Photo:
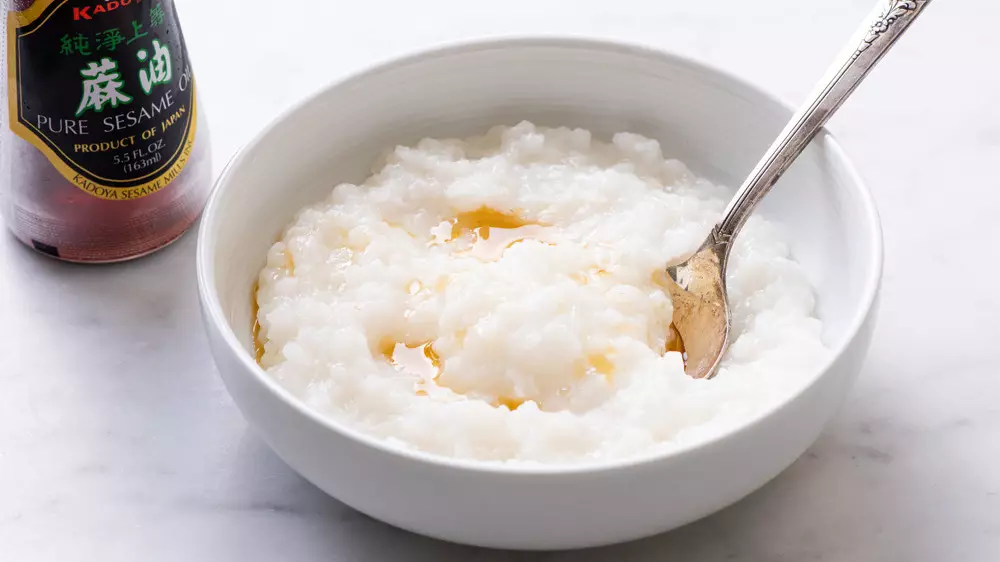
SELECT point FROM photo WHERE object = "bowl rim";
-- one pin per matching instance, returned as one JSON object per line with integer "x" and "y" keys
{"x": 214, "y": 314}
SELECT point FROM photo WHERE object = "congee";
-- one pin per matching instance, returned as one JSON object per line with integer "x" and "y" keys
{"x": 500, "y": 298}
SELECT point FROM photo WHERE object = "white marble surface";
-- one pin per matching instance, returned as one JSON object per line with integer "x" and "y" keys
{"x": 118, "y": 442}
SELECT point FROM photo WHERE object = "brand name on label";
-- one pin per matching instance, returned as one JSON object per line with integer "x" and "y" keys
{"x": 88, "y": 12}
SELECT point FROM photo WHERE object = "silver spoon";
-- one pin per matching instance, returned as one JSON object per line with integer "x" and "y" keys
{"x": 697, "y": 285}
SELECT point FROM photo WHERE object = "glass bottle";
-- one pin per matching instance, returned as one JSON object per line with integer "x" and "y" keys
{"x": 104, "y": 152}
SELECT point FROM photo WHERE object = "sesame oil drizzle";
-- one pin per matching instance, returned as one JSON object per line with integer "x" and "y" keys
{"x": 486, "y": 233}
{"x": 416, "y": 359}
{"x": 258, "y": 345}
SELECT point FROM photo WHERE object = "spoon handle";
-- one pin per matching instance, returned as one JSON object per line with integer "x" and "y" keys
{"x": 877, "y": 35}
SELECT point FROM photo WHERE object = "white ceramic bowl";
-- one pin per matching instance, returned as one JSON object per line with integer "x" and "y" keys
{"x": 717, "y": 124}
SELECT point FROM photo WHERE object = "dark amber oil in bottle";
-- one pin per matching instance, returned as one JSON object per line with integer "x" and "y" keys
{"x": 104, "y": 152}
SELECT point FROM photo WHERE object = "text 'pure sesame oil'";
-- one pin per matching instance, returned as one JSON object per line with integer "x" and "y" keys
{"x": 104, "y": 152}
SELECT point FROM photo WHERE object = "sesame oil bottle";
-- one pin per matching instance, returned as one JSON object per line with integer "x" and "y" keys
{"x": 104, "y": 153}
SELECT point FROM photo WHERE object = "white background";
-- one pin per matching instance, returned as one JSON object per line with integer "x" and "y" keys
{"x": 118, "y": 442}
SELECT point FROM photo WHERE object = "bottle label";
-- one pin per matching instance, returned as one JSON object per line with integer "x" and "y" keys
{"x": 104, "y": 89}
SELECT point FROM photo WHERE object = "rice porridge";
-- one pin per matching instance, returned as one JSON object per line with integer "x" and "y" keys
{"x": 498, "y": 298}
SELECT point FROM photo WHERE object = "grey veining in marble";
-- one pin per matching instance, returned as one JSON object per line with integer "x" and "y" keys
{"x": 118, "y": 442}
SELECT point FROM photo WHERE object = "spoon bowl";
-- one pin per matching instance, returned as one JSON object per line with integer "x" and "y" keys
{"x": 697, "y": 288}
